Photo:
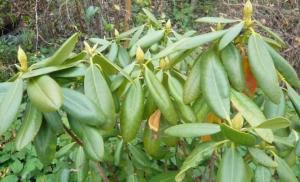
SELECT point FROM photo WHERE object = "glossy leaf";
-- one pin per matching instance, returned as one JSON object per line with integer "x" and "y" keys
{"x": 161, "y": 97}
{"x": 284, "y": 171}
{"x": 295, "y": 98}
{"x": 45, "y": 94}
{"x": 81, "y": 164}
{"x": 30, "y": 126}
{"x": 272, "y": 110}
{"x": 98, "y": 91}
{"x": 275, "y": 123}
{"x": 118, "y": 153}
{"x": 4, "y": 88}
{"x": 123, "y": 57}
{"x": 233, "y": 168}
{"x": 54, "y": 120}
{"x": 113, "y": 52}
{"x": 233, "y": 65}
{"x": 262, "y": 174}
{"x": 230, "y": 35}
{"x": 10, "y": 104}
{"x": 176, "y": 90}
{"x": 215, "y": 85}
{"x": 45, "y": 144}
{"x": 132, "y": 112}
{"x": 263, "y": 69}
{"x": 61, "y": 54}
{"x": 192, "y": 86}
{"x": 215, "y": 20}
{"x": 251, "y": 113}
{"x": 262, "y": 158}
{"x": 201, "y": 109}
{"x": 82, "y": 108}
{"x": 283, "y": 66}
{"x": 193, "y": 129}
{"x": 198, "y": 155}
{"x": 238, "y": 137}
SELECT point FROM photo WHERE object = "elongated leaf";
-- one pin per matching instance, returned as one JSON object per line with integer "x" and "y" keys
{"x": 198, "y": 155}
{"x": 283, "y": 66}
{"x": 262, "y": 158}
{"x": 295, "y": 98}
{"x": 47, "y": 70}
{"x": 54, "y": 120}
{"x": 238, "y": 137}
{"x": 251, "y": 113}
{"x": 45, "y": 144}
{"x": 123, "y": 35}
{"x": 76, "y": 71}
{"x": 82, "y": 108}
{"x": 10, "y": 104}
{"x": 81, "y": 164}
{"x": 109, "y": 67}
{"x": 193, "y": 129}
{"x": 123, "y": 57}
{"x": 136, "y": 35}
{"x": 233, "y": 65}
{"x": 262, "y": 174}
{"x": 233, "y": 168}
{"x": 139, "y": 156}
{"x": 269, "y": 31}
{"x": 164, "y": 177}
{"x": 45, "y": 94}
{"x": 215, "y": 85}
{"x": 113, "y": 52}
{"x": 65, "y": 150}
{"x": 263, "y": 69}
{"x": 230, "y": 35}
{"x": 30, "y": 126}
{"x": 284, "y": 171}
{"x": 4, "y": 88}
{"x": 275, "y": 123}
{"x": 118, "y": 153}
{"x": 161, "y": 97}
{"x": 215, "y": 20}
{"x": 98, "y": 91}
{"x": 272, "y": 110}
{"x": 192, "y": 86}
{"x": 61, "y": 54}
{"x": 196, "y": 41}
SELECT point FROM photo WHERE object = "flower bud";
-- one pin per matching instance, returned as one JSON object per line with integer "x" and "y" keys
{"x": 117, "y": 33}
{"x": 168, "y": 25}
{"x": 164, "y": 63}
{"x": 139, "y": 55}
{"x": 238, "y": 121}
{"x": 248, "y": 10}
{"x": 22, "y": 59}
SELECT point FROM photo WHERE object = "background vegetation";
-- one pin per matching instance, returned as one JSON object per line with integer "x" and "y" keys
{"x": 41, "y": 25}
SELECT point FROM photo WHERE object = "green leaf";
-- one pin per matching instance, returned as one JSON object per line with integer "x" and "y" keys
{"x": 284, "y": 171}
{"x": 98, "y": 91}
{"x": 65, "y": 149}
{"x": 215, "y": 20}
{"x": 272, "y": 110}
{"x": 123, "y": 57}
{"x": 139, "y": 156}
{"x": 262, "y": 174}
{"x": 233, "y": 64}
{"x": 81, "y": 164}
{"x": 55, "y": 121}
{"x": 118, "y": 153}
{"x": 82, "y": 108}
{"x": 10, "y": 104}
{"x": 215, "y": 85}
{"x": 263, "y": 69}
{"x": 230, "y": 35}
{"x": 76, "y": 71}
{"x": 269, "y": 31}
{"x": 193, "y": 129}
{"x": 164, "y": 177}
{"x": 251, "y": 113}
{"x": 30, "y": 126}
{"x": 238, "y": 137}
{"x": 275, "y": 123}
{"x": 295, "y": 98}
{"x": 4, "y": 88}
{"x": 45, "y": 94}
{"x": 109, "y": 67}
{"x": 136, "y": 35}
{"x": 196, "y": 41}
{"x": 113, "y": 52}
{"x": 262, "y": 158}
{"x": 124, "y": 35}
{"x": 47, "y": 70}
{"x": 45, "y": 144}
{"x": 60, "y": 55}
{"x": 198, "y": 155}
{"x": 233, "y": 168}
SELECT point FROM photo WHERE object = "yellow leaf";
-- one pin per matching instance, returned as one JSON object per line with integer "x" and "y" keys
{"x": 154, "y": 121}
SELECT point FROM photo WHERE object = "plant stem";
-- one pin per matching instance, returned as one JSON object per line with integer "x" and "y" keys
{"x": 69, "y": 132}
{"x": 101, "y": 172}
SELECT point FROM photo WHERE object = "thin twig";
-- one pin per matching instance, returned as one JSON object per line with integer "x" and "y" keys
{"x": 101, "y": 172}
{"x": 36, "y": 24}
{"x": 77, "y": 140}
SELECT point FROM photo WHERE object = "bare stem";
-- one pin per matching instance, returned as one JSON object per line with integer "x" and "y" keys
{"x": 101, "y": 172}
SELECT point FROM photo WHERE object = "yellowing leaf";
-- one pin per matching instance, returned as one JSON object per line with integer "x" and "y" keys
{"x": 154, "y": 121}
